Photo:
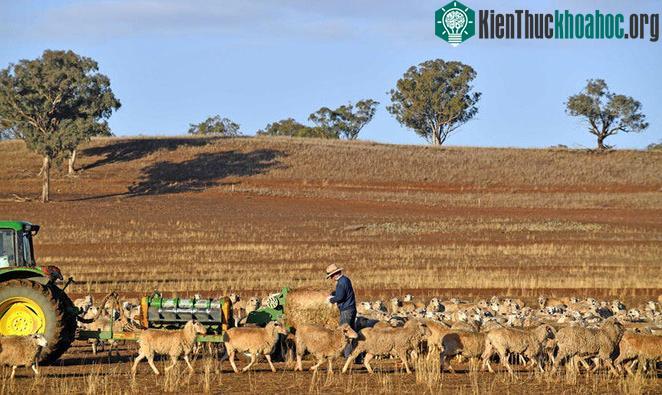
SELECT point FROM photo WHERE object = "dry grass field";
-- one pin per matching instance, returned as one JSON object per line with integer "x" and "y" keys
{"x": 251, "y": 215}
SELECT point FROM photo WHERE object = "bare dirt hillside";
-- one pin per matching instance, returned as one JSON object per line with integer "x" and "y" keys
{"x": 255, "y": 214}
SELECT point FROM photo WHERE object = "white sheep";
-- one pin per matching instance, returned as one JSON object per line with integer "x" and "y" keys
{"x": 255, "y": 341}
{"x": 168, "y": 342}
{"x": 18, "y": 351}
{"x": 323, "y": 343}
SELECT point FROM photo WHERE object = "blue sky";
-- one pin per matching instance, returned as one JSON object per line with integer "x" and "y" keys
{"x": 172, "y": 63}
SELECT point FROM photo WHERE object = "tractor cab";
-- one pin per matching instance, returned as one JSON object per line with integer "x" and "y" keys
{"x": 16, "y": 243}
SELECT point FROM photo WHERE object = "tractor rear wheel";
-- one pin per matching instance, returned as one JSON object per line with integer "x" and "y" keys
{"x": 28, "y": 307}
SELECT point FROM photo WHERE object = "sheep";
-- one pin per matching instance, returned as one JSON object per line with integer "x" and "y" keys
{"x": 84, "y": 304}
{"x": 437, "y": 331}
{"x": 583, "y": 343}
{"x": 398, "y": 306}
{"x": 323, "y": 343}
{"x": 546, "y": 302}
{"x": 94, "y": 321}
{"x": 527, "y": 342}
{"x": 470, "y": 345}
{"x": 642, "y": 348}
{"x": 241, "y": 308}
{"x": 389, "y": 341}
{"x": 255, "y": 341}
{"x": 166, "y": 342}
{"x": 18, "y": 351}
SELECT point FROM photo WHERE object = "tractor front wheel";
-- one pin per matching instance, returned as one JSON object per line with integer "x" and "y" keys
{"x": 28, "y": 307}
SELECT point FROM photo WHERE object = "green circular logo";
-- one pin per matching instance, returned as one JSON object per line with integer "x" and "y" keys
{"x": 454, "y": 23}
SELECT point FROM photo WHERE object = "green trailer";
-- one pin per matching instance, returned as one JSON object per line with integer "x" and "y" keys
{"x": 32, "y": 302}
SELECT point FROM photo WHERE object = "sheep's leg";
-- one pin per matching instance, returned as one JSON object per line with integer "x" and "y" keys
{"x": 320, "y": 361}
{"x": 299, "y": 365}
{"x": 366, "y": 362}
{"x": 271, "y": 365}
{"x": 330, "y": 359}
{"x": 13, "y": 372}
{"x": 403, "y": 358}
{"x": 139, "y": 358}
{"x": 504, "y": 360}
{"x": 150, "y": 360}
{"x": 487, "y": 354}
{"x": 231, "y": 358}
{"x": 34, "y": 369}
{"x": 94, "y": 348}
{"x": 173, "y": 358}
{"x": 629, "y": 368}
{"x": 188, "y": 362}
{"x": 487, "y": 363}
{"x": 442, "y": 358}
{"x": 253, "y": 358}
{"x": 610, "y": 365}
{"x": 358, "y": 350}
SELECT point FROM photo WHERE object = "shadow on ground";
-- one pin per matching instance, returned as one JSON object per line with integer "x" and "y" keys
{"x": 126, "y": 151}
{"x": 204, "y": 171}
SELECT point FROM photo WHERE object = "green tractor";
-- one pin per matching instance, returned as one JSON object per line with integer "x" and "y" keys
{"x": 30, "y": 300}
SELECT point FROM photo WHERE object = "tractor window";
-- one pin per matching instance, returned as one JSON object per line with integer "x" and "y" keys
{"x": 27, "y": 249}
{"x": 7, "y": 251}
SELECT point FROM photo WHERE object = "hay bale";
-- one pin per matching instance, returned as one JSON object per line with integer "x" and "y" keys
{"x": 309, "y": 306}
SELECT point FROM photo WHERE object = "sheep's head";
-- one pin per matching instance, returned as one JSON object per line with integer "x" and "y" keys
{"x": 408, "y": 298}
{"x": 348, "y": 332}
{"x": 254, "y": 303}
{"x": 196, "y": 327}
{"x": 276, "y": 328}
{"x": 234, "y": 298}
{"x": 542, "y": 301}
{"x": 634, "y": 315}
{"x": 424, "y": 329}
{"x": 378, "y": 305}
{"x": 546, "y": 332}
{"x": 39, "y": 340}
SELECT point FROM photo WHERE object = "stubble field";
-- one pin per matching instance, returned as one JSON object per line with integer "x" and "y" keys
{"x": 252, "y": 215}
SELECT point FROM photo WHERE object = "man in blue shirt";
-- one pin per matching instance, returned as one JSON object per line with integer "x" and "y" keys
{"x": 344, "y": 297}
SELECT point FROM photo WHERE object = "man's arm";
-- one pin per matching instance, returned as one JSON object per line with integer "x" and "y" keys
{"x": 340, "y": 294}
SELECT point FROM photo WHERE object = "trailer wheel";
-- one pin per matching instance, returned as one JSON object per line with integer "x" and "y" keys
{"x": 27, "y": 307}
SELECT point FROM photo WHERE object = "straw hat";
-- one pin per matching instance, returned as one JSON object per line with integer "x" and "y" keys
{"x": 332, "y": 269}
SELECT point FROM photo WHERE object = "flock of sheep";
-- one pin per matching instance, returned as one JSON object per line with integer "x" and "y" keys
{"x": 578, "y": 333}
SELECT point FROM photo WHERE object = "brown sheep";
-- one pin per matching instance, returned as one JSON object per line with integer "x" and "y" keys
{"x": 583, "y": 343}
{"x": 323, "y": 343}
{"x": 18, "y": 351}
{"x": 167, "y": 342}
{"x": 469, "y": 345}
{"x": 255, "y": 341}
{"x": 639, "y": 347}
{"x": 389, "y": 341}
{"x": 526, "y": 342}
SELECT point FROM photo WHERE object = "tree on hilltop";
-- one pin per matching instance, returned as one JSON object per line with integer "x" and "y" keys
{"x": 215, "y": 126}
{"x": 55, "y": 103}
{"x": 435, "y": 98}
{"x": 345, "y": 121}
{"x": 605, "y": 112}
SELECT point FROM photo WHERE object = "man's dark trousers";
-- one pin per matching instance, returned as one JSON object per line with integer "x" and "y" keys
{"x": 348, "y": 317}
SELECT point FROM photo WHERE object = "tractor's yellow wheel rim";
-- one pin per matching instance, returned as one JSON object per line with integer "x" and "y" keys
{"x": 21, "y": 316}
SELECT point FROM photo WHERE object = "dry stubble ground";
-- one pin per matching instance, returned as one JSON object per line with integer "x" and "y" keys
{"x": 251, "y": 215}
